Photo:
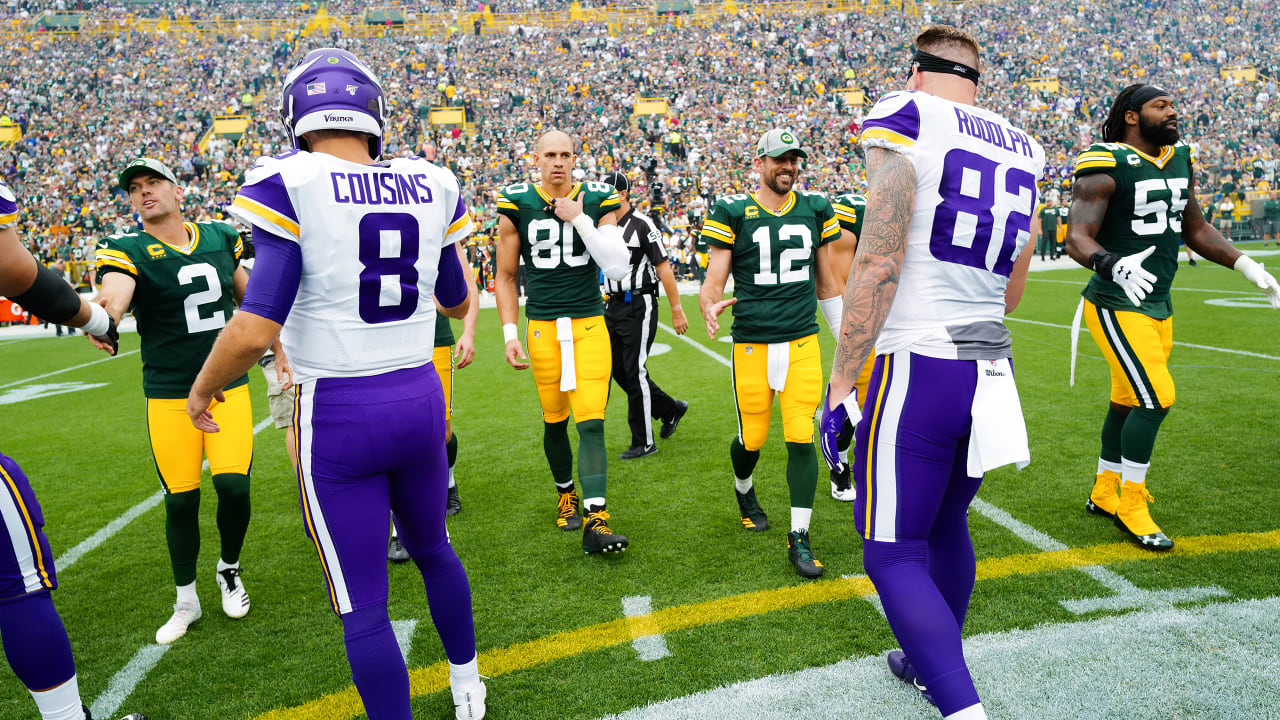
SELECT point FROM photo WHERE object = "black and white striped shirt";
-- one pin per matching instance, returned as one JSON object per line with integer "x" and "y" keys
{"x": 647, "y": 252}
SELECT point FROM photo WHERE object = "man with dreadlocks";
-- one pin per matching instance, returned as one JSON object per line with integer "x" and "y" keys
{"x": 1133, "y": 201}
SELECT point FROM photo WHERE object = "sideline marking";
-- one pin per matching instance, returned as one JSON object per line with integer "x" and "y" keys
{"x": 404, "y": 635}
{"x": 1085, "y": 331}
{"x": 69, "y": 558}
{"x": 1259, "y": 293}
{"x": 345, "y": 704}
{"x": 706, "y": 350}
{"x": 74, "y": 367}
{"x": 123, "y": 683}
{"x": 43, "y": 390}
{"x": 648, "y": 642}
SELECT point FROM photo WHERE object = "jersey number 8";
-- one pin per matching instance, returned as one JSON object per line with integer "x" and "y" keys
{"x": 963, "y": 174}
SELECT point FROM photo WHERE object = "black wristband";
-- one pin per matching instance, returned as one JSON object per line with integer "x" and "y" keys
{"x": 1102, "y": 262}
{"x": 50, "y": 297}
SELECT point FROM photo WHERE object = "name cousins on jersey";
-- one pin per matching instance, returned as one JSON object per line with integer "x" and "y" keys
{"x": 380, "y": 187}
{"x": 1003, "y": 137}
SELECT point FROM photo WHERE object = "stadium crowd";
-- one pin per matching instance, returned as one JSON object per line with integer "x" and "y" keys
{"x": 92, "y": 102}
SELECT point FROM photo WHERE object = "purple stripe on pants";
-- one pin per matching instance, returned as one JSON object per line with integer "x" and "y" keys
{"x": 26, "y": 562}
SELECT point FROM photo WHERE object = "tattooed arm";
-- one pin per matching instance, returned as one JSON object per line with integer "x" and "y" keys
{"x": 873, "y": 281}
{"x": 1089, "y": 198}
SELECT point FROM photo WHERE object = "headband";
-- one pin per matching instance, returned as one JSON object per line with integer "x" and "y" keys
{"x": 1144, "y": 95}
{"x": 928, "y": 62}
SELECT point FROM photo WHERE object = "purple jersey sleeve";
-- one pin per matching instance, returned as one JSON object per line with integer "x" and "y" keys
{"x": 452, "y": 279}
{"x": 277, "y": 272}
{"x": 8, "y": 206}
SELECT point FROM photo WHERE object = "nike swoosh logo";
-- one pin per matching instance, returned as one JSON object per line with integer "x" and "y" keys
{"x": 806, "y": 342}
{"x": 590, "y": 327}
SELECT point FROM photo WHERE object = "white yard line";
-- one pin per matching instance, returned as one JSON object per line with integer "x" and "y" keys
{"x": 69, "y": 558}
{"x": 404, "y": 636}
{"x": 648, "y": 647}
{"x": 59, "y": 372}
{"x": 1079, "y": 284}
{"x": 706, "y": 350}
{"x": 1085, "y": 331}
{"x": 124, "y": 682}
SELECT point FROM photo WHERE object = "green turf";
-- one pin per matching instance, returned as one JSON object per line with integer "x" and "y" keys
{"x": 1213, "y": 472}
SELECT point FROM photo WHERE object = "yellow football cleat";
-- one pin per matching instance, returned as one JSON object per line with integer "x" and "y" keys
{"x": 1103, "y": 500}
{"x": 1134, "y": 518}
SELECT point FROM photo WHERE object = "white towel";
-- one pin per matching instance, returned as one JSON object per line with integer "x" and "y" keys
{"x": 1075, "y": 340}
{"x": 999, "y": 434}
{"x": 778, "y": 362}
{"x": 568, "y": 371}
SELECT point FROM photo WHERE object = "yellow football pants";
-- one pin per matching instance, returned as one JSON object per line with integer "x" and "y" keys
{"x": 442, "y": 358}
{"x": 1137, "y": 348}
{"x": 798, "y": 400}
{"x": 593, "y": 363}
{"x": 178, "y": 447}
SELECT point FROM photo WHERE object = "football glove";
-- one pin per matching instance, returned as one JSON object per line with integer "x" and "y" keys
{"x": 111, "y": 336}
{"x": 1257, "y": 274}
{"x": 1127, "y": 272}
{"x": 836, "y": 421}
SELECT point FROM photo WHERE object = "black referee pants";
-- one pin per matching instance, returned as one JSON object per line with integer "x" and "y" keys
{"x": 631, "y": 329}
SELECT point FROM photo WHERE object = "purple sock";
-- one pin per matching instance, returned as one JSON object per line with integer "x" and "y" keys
{"x": 921, "y": 619}
{"x": 376, "y": 664}
{"x": 35, "y": 642}
{"x": 449, "y": 598}
{"x": 951, "y": 562}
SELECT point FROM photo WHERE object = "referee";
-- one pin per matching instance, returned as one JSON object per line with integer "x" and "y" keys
{"x": 631, "y": 315}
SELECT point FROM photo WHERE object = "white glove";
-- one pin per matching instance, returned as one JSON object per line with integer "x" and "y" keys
{"x": 1132, "y": 279}
{"x": 1256, "y": 273}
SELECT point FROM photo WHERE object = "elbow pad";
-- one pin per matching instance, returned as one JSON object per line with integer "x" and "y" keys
{"x": 50, "y": 297}
{"x": 606, "y": 247}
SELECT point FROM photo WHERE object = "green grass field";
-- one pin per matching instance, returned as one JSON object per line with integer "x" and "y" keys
{"x": 549, "y": 620}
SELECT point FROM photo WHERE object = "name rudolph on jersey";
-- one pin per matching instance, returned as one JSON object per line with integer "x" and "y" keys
{"x": 1001, "y": 136}
{"x": 380, "y": 188}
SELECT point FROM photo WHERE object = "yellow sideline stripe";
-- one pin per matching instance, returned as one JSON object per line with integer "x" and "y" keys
{"x": 345, "y": 704}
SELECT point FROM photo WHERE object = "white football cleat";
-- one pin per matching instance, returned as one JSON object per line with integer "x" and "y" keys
{"x": 235, "y": 601}
{"x": 842, "y": 488}
{"x": 468, "y": 701}
{"x": 183, "y": 615}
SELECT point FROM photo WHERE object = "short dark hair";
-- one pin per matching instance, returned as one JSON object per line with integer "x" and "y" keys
{"x": 938, "y": 39}
{"x": 1114, "y": 126}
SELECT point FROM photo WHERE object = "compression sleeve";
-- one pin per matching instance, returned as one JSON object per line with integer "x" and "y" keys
{"x": 277, "y": 272}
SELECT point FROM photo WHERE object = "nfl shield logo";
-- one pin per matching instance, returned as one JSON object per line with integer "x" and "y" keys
{"x": 316, "y": 88}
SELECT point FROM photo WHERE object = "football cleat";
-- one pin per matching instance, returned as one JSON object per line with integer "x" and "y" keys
{"x": 468, "y": 702}
{"x": 453, "y": 505}
{"x": 638, "y": 451}
{"x": 183, "y": 615}
{"x": 597, "y": 537}
{"x": 801, "y": 554}
{"x": 235, "y": 599}
{"x": 567, "y": 517}
{"x": 1133, "y": 517}
{"x": 130, "y": 716}
{"x": 842, "y": 485}
{"x": 900, "y": 666}
{"x": 396, "y": 552}
{"x": 669, "y": 426}
{"x": 1103, "y": 500}
{"x": 753, "y": 518}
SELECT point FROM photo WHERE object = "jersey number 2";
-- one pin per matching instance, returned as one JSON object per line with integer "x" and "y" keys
{"x": 212, "y": 293}
{"x": 968, "y": 187}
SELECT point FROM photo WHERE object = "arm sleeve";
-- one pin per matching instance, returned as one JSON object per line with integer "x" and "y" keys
{"x": 277, "y": 273}
{"x": 451, "y": 278}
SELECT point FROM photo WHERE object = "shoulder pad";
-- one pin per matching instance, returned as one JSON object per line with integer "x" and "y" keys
{"x": 294, "y": 168}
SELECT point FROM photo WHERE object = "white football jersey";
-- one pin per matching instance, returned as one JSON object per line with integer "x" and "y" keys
{"x": 976, "y": 178}
{"x": 371, "y": 238}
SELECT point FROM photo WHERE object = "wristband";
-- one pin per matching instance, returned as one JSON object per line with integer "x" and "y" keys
{"x": 99, "y": 320}
{"x": 1243, "y": 264}
{"x": 509, "y": 333}
{"x": 1102, "y": 262}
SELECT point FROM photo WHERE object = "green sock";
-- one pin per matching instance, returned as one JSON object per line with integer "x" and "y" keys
{"x": 744, "y": 460}
{"x": 555, "y": 443}
{"x": 802, "y": 473}
{"x": 451, "y": 449}
{"x": 1139, "y": 437}
{"x": 1112, "y": 428}
{"x": 592, "y": 463}
{"x": 182, "y": 531}
{"x": 233, "y": 513}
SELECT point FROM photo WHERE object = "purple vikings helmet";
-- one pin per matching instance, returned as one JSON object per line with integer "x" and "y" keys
{"x": 331, "y": 89}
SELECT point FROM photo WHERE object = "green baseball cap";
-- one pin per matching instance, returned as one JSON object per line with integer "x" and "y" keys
{"x": 145, "y": 165}
{"x": 778, "y": 141}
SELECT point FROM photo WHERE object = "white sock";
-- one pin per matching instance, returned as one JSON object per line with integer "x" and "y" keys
{"x": 742, "y": 485}
{"x": 973, "y": 712}
{"x": 565, "y": 487}
{"x": 1133, "y": 472}
{"x": 800, "y": 518}
{"x": 1108, "y": 466}
{"x": 466, "y": 674}
{"x": 60, "y": 703}
{"x": 394, "y": 534}
{"x": 452, "y": 482}
{"x": 593, "y": 503}
{"x": 226, "y": 565}
{"x": 187, "y": 594}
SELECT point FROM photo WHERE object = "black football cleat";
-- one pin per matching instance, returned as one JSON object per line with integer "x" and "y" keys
{"x": 597, "y": 537}
{"x": 567, "y": 509}
{"x": 753, "y": 518}
{"x": 396, "y": 552}
{"x": 669, "y": 426}
{"x": 801, "y": 555}
{"x": 453, "y": 505}
{"x": 638, "y": 451}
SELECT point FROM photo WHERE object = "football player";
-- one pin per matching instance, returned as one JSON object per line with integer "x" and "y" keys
{"x": 942, "y": 258}
{"x": 350, "y": 253}
{"x": 35, "y": 640}
{"x": 1133, "y": 202}
{"x": 182, "y": 281}
{"x": 567, "y": 234}
{"x": 776, "y": 243}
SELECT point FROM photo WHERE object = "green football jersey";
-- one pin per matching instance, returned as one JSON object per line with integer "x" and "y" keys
{"x": 182, "y": 299}
{"x": 773, "y": 256}
{"x": 563, "y": 280}
{"x": 1145, "y": 210}
{"x": 444, "y": 331}
{"x": 1048, "y": 220}
{"x": 849, "y": 211}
